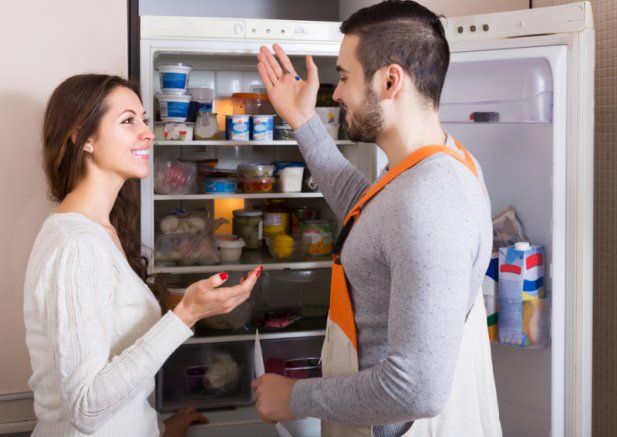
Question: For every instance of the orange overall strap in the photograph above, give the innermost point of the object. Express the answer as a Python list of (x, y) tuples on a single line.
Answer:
[(407, 163), (341, 308)]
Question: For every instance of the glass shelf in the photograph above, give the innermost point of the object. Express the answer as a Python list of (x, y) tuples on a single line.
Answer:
[(248, 260), (303, 195), (222, 143)]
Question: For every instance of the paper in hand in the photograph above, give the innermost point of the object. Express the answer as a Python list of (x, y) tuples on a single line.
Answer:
[(259, 371)]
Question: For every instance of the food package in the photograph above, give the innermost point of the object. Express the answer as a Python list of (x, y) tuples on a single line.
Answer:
[(222, 371), (524, 310), (490, 292), (507, 229), (172, 176), (186, 240)]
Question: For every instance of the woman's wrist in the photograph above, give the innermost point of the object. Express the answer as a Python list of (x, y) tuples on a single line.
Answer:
[(185, 314)]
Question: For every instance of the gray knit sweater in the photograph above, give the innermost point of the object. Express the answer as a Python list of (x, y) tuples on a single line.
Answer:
[(415, 262)]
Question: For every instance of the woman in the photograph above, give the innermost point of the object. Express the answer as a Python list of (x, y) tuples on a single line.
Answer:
[(94, 330)]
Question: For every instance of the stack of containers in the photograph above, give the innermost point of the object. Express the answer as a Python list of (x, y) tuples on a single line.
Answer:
[(252, 118), (174, 101)]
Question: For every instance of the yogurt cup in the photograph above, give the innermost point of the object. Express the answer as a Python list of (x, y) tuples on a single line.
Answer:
[(262, 128), (174, 77), (174, 107), (237, 127)]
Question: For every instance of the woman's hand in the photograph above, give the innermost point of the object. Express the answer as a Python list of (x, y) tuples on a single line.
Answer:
[(293, 98), (207, 298), (176, 425)]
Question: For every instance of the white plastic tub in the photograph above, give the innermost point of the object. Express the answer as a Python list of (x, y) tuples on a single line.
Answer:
[(230, 247), (174, 77), (290, 179), (174, 106)]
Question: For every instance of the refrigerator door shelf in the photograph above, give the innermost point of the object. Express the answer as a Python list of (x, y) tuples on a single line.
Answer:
[(510, 91)]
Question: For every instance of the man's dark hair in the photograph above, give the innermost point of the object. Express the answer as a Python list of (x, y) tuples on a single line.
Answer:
[(406, 33)]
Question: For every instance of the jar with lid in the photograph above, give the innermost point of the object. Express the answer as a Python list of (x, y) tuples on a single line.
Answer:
[(251, 104), (247, 224), (277, 217)]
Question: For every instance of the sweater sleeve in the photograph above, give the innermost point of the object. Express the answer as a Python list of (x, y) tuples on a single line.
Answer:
[(80, 319), (338, 180), (430, 242)]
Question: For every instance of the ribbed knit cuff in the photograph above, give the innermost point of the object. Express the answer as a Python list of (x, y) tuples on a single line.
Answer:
[(300, 402), (166, 335), (311, 132)]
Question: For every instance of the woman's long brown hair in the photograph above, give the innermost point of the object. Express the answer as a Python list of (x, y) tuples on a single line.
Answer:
[(77, 106)]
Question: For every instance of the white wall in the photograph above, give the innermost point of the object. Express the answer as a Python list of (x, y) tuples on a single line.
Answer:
[(43, 42), (448, 8)]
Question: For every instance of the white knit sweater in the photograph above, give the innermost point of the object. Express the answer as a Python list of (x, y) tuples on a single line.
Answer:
[(94, 332)]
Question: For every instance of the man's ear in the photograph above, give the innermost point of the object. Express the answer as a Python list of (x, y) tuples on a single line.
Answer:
[(392, 80)]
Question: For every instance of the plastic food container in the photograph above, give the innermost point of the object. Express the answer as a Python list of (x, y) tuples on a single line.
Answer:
[(262, 127), (230, 247), (237, 127), (174, 107), (211, 172), (284, 132), (251, 104), (284, 247), (201, 101), (256, 185), (173, 131), (220, 185), (329, 114), (174, 77), (248, 225), (320, 233), (247, 171), (290, 179)]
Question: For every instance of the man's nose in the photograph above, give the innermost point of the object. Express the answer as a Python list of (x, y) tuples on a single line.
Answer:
[(336, 96)]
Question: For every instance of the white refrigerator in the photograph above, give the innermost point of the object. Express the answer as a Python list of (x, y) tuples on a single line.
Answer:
[(527, 77)]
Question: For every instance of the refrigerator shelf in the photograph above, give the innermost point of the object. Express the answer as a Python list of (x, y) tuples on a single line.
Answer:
[(250, 336), (220, 143), (248, 261), (237, 196)]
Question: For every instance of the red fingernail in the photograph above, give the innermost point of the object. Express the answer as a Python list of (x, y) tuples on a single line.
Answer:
[(259, 271), (223, 276)]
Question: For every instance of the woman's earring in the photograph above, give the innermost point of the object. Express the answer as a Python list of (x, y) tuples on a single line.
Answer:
[(88, 148)]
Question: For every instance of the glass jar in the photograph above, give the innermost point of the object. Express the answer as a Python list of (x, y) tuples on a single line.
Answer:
[(251, 104), (321, 236), (247, 224), (276, 218)]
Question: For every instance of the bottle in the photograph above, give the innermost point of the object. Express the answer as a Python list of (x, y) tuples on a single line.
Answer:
[(276, 218)]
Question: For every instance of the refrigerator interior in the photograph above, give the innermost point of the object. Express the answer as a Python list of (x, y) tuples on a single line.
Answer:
[(520, 151), (236, 73)]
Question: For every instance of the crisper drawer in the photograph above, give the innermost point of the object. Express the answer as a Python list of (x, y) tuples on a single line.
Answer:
[(208, 375), (293, 357)]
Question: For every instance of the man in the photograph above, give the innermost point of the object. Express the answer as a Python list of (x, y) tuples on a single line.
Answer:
[(406, 349)]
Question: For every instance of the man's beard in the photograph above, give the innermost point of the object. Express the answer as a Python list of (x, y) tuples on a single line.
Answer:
[(367, 124)]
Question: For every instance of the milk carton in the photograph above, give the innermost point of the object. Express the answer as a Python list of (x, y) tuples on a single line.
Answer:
[(523, 312), (490, 293)]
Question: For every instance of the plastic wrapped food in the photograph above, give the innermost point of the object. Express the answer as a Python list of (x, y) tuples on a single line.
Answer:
[(186, 240), (507, 229), (175, 177)]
